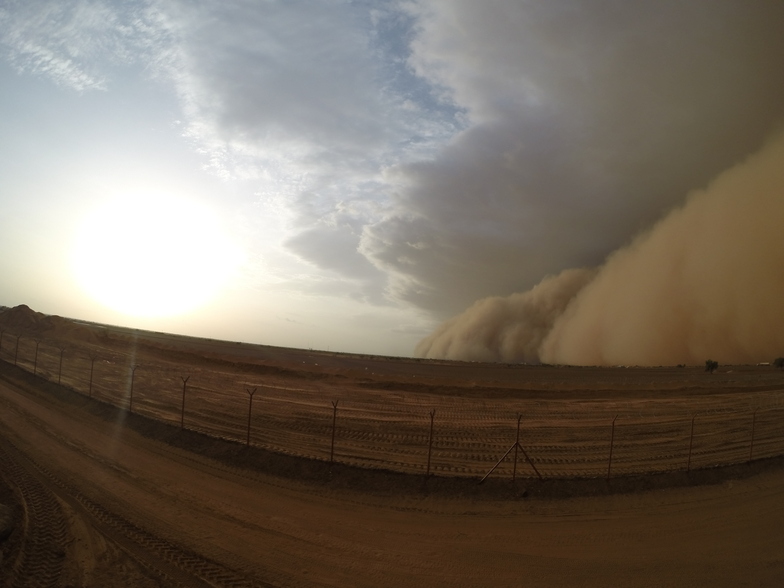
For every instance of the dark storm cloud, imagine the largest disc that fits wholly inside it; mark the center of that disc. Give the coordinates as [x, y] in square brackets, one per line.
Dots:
[642, 103]
[704, 282]
[587, 121]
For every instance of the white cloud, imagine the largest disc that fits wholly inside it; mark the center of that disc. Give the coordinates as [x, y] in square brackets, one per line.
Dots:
[298, 84]
[71, 41]
[436, 152]
[312, 100]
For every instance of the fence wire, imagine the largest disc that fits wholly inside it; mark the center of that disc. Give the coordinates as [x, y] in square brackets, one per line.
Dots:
[391, 429]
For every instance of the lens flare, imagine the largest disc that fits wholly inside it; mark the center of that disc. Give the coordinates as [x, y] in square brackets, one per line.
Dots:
[152, 255]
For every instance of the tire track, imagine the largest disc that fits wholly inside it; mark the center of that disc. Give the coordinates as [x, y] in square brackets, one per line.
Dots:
[41, 560]
[39, 563]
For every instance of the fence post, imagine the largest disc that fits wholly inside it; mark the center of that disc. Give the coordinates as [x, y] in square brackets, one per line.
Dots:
[508, 451]
[182, 411]
[516, 446]
[430, 441]
[691, 443]
[35, 361]
[60, 369]
[130, 399]
[92, 368]
[334, 420]
[250, 408]
[612, 441]
[751, 446]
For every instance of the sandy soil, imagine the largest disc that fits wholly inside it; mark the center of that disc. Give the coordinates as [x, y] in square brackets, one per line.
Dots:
[136, 511]
[384, 404]
[103, 498]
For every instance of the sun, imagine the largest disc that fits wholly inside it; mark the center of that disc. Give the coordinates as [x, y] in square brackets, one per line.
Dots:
[152, 255]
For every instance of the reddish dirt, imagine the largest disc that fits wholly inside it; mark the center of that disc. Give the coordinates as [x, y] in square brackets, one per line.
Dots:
[141, 512]
[104, 498]
[384, 404]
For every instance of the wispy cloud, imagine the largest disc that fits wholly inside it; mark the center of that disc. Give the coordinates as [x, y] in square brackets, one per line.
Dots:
[70, 41]
[313, 101]
[300, 82]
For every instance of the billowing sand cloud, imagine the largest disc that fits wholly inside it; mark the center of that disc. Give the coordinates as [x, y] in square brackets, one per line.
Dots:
[586, 121]
[506, 328]
[706, 281]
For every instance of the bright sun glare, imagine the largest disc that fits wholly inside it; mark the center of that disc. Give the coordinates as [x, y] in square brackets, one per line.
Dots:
[152, 255]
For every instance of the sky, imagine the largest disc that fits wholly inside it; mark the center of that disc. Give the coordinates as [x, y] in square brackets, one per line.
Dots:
[357, 175]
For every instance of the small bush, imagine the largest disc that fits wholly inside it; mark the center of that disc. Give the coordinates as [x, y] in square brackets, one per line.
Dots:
[779, 362]
[711, 366]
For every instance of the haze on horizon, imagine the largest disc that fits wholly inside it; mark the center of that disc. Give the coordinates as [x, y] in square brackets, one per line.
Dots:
[587, 181]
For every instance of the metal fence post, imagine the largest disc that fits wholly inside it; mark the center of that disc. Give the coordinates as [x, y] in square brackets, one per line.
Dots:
[250, 408]
[130, 398]
[691, 443]
[516, 446]
[182, 411]
[35, 361]
[612, 441]
[92, 369]
[60, 369]
[334, 421]
[430, 441]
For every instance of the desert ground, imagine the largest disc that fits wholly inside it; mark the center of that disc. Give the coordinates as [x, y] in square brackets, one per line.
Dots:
[104, 493]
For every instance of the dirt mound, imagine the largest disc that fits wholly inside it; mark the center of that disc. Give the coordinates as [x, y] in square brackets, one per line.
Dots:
[23, 319]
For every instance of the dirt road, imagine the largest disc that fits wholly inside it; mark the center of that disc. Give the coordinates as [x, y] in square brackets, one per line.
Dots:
[107, 507]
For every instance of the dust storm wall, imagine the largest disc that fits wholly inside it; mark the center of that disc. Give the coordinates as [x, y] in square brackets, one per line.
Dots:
[706, 281]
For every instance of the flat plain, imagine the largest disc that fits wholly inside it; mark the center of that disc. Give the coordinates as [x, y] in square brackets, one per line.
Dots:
[129, 508]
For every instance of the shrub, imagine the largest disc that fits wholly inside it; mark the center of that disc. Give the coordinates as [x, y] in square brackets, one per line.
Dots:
[711, 366]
